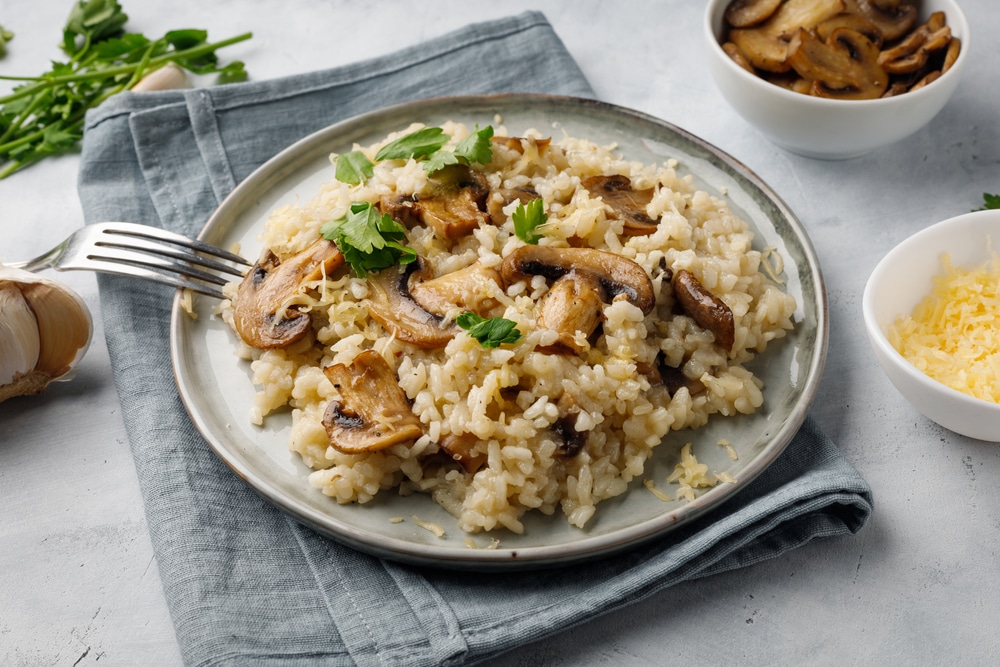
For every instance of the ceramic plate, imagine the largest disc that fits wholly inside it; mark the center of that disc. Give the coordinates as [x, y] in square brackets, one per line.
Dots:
[215, 385]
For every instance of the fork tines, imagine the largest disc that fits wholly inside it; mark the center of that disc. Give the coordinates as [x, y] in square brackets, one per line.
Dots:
[155, 254]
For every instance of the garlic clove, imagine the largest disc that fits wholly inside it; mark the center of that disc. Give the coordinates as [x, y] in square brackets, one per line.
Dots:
[169, 77]
[45, 329]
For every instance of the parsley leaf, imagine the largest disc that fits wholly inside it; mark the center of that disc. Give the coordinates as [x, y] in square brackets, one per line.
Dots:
[416, 145]
[490, 333]
[439, 160]
[989, 202]
[476, 147]
[527, 220]
[369, 240]
[353, 168]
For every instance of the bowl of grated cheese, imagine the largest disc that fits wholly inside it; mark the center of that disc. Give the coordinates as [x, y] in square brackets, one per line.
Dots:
[932, 312]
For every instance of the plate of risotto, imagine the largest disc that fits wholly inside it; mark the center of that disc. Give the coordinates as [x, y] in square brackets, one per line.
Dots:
[504, 331]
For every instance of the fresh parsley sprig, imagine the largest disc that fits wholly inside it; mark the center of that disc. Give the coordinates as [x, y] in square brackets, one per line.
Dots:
[425, 144]
[527, 219]
[989, 202]
[43, 115]
[369, 240]
[492, 332]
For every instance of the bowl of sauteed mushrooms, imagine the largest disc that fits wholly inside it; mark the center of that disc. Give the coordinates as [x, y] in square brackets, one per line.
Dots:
[836, 79]
[931, 308]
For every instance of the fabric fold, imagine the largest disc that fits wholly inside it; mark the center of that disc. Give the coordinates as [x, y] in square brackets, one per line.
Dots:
[245, 583]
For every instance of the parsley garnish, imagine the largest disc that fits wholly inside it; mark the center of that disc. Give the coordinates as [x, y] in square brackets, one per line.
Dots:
[368, 239]
[527, 220]
[490, 333]
[353, 168]
[44, 115]
[425, 144]
[989, 202]
[416, 145]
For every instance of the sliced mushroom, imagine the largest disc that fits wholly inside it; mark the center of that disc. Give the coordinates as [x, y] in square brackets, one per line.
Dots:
[573, 304]
[844, 67]
[892, 17]
[616, 274]
[471, 288]
[913, 52]
[391, 304]
[626, 204]
[499, 199]
[460, 449]
[734, 52]
[765, 46]
[453, 204]
[264, 312]
[373, 412]
[705, 308]
[951, 54]
[573, 441]
[746, 13]
[670, 378]
[854, 22]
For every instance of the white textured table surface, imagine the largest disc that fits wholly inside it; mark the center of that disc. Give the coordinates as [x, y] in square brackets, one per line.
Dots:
[919, 585]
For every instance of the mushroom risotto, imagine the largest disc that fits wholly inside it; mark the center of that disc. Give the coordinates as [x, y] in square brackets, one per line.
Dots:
[504, 323]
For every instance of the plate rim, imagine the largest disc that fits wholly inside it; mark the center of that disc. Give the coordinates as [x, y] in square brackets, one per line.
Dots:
[300, 152]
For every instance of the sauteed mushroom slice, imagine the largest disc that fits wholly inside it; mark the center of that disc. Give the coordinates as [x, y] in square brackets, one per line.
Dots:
[854, 22]
[499, 199]
[471, 288]
[746, 13]
[391, 304]
[844, 67]
[453, 205]
[264, 314]
[573, 441]
[373, 412]
[616, 275]
[709, 311]
[626, 204]
[766, 45]
[573, 304]
[892, 17]
[460, 449]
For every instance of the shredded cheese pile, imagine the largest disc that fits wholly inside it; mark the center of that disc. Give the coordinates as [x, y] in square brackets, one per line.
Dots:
[953, 335]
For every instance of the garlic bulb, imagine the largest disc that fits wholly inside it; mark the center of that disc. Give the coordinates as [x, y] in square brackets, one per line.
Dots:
[169, 77]
[45, 329]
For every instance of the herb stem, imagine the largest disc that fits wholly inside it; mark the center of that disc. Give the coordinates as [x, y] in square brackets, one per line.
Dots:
[49, 82]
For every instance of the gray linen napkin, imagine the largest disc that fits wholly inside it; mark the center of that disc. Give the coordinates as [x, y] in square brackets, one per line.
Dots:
[247, 585]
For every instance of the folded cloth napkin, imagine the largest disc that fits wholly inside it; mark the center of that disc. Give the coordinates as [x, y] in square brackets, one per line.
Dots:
[246, 584]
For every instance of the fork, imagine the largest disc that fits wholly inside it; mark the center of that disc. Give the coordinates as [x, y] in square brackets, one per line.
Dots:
[140, 251]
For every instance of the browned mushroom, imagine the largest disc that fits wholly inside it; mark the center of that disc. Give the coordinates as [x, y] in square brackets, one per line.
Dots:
[854, 22]
[893, 18]
[746, 13]
[734, 52]
[765, 45]
[573, 440]
[573, 304]
[372, 412]
[913, 52]
[264, 312]
[499, 199]
[471, 288]
[391, 304]
[709, 311]
[844, 67]
[461, 448]
[625, 203]
[616, 274]
[670, 378]
[583, 279]
[453, 205]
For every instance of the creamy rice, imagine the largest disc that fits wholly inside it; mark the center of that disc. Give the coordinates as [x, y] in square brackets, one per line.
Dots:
[507, 399]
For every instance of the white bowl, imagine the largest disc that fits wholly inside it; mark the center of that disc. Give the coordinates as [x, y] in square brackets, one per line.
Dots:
[899, 282]
[828, 128]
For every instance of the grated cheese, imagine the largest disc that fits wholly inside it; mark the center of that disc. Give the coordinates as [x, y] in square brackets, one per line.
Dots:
[953, 335]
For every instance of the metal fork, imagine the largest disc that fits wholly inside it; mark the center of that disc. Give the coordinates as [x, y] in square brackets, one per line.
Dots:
[145, 252]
